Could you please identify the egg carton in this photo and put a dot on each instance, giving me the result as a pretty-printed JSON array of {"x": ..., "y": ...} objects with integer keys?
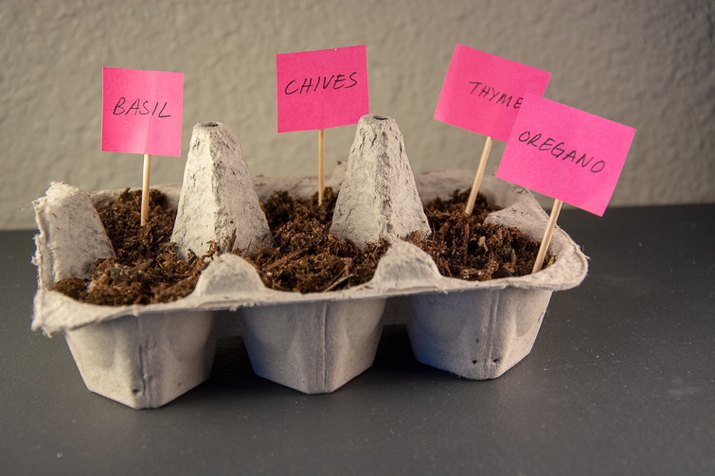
[{"x": 145, "y": 356}]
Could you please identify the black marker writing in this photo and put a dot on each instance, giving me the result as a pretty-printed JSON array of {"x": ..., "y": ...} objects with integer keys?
[
  {"x": 558, "y": 151},
  {"x": 140, "y": 108},
  {"x": 492, "y": 94},
  {"x": 314, "y": 84}
]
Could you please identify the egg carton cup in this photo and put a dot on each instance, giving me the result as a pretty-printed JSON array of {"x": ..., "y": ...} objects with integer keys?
[{"x": 145, "y": 356}]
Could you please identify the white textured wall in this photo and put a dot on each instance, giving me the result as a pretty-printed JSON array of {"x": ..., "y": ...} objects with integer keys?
[{"x": 648, "y": 64}]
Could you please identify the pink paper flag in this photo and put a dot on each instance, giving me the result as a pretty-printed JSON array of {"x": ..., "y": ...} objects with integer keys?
[
  {"x": 141, "y": 111},
  {"x": 321, "y": 89},
  {"x": 483, "y": 93},
  {"x": 566, "y": 153}
]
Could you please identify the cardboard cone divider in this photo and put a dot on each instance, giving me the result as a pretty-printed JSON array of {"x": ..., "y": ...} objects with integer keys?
[
  {"x": 145, "y": 356},
  {"x": 217, "y": 199},
  {"x": 378, "y": 198}
]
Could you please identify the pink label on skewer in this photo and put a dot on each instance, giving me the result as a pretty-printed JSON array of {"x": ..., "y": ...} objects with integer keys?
[
  {"x": 321, "y": 89},
  {"x": 141, "y": 111},
  {"x": 483, "y": 93},
  {"x": 566, "y": 153}
]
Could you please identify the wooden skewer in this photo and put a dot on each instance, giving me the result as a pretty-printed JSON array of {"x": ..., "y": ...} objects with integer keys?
[
  {"x": 145, "y": 189},
  {"x": 548, "y": 234},
  {"x": 479, "y": 176},
  {"x": 321, "y": 165}
]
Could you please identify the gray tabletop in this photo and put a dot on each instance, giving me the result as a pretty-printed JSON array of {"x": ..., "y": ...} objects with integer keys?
[{"x": 621, "y": 381}]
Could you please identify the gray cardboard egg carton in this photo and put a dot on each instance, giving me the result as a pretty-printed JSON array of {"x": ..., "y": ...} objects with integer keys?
[{"x": 144, "y": 356}]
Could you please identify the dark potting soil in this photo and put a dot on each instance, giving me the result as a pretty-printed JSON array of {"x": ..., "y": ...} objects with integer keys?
[
  {"x": 147, "y": 268},
  {"x": 304, "y": 257},
  {"x": 467, "y": 248}
]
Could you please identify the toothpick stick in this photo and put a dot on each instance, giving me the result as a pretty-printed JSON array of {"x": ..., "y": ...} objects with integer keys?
[
  {"x": 548, "y": 234},
  {"x": 321, "y": 165},
  {"x": 145, "y": 189},
  {"x": 478, "y": 178}
]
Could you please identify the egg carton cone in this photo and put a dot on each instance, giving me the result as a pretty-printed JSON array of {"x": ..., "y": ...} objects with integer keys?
[
  {"x": 378, "y": 198},
  {"x": 144, "y": 356},
  {"x": 217, "y": 200}
]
